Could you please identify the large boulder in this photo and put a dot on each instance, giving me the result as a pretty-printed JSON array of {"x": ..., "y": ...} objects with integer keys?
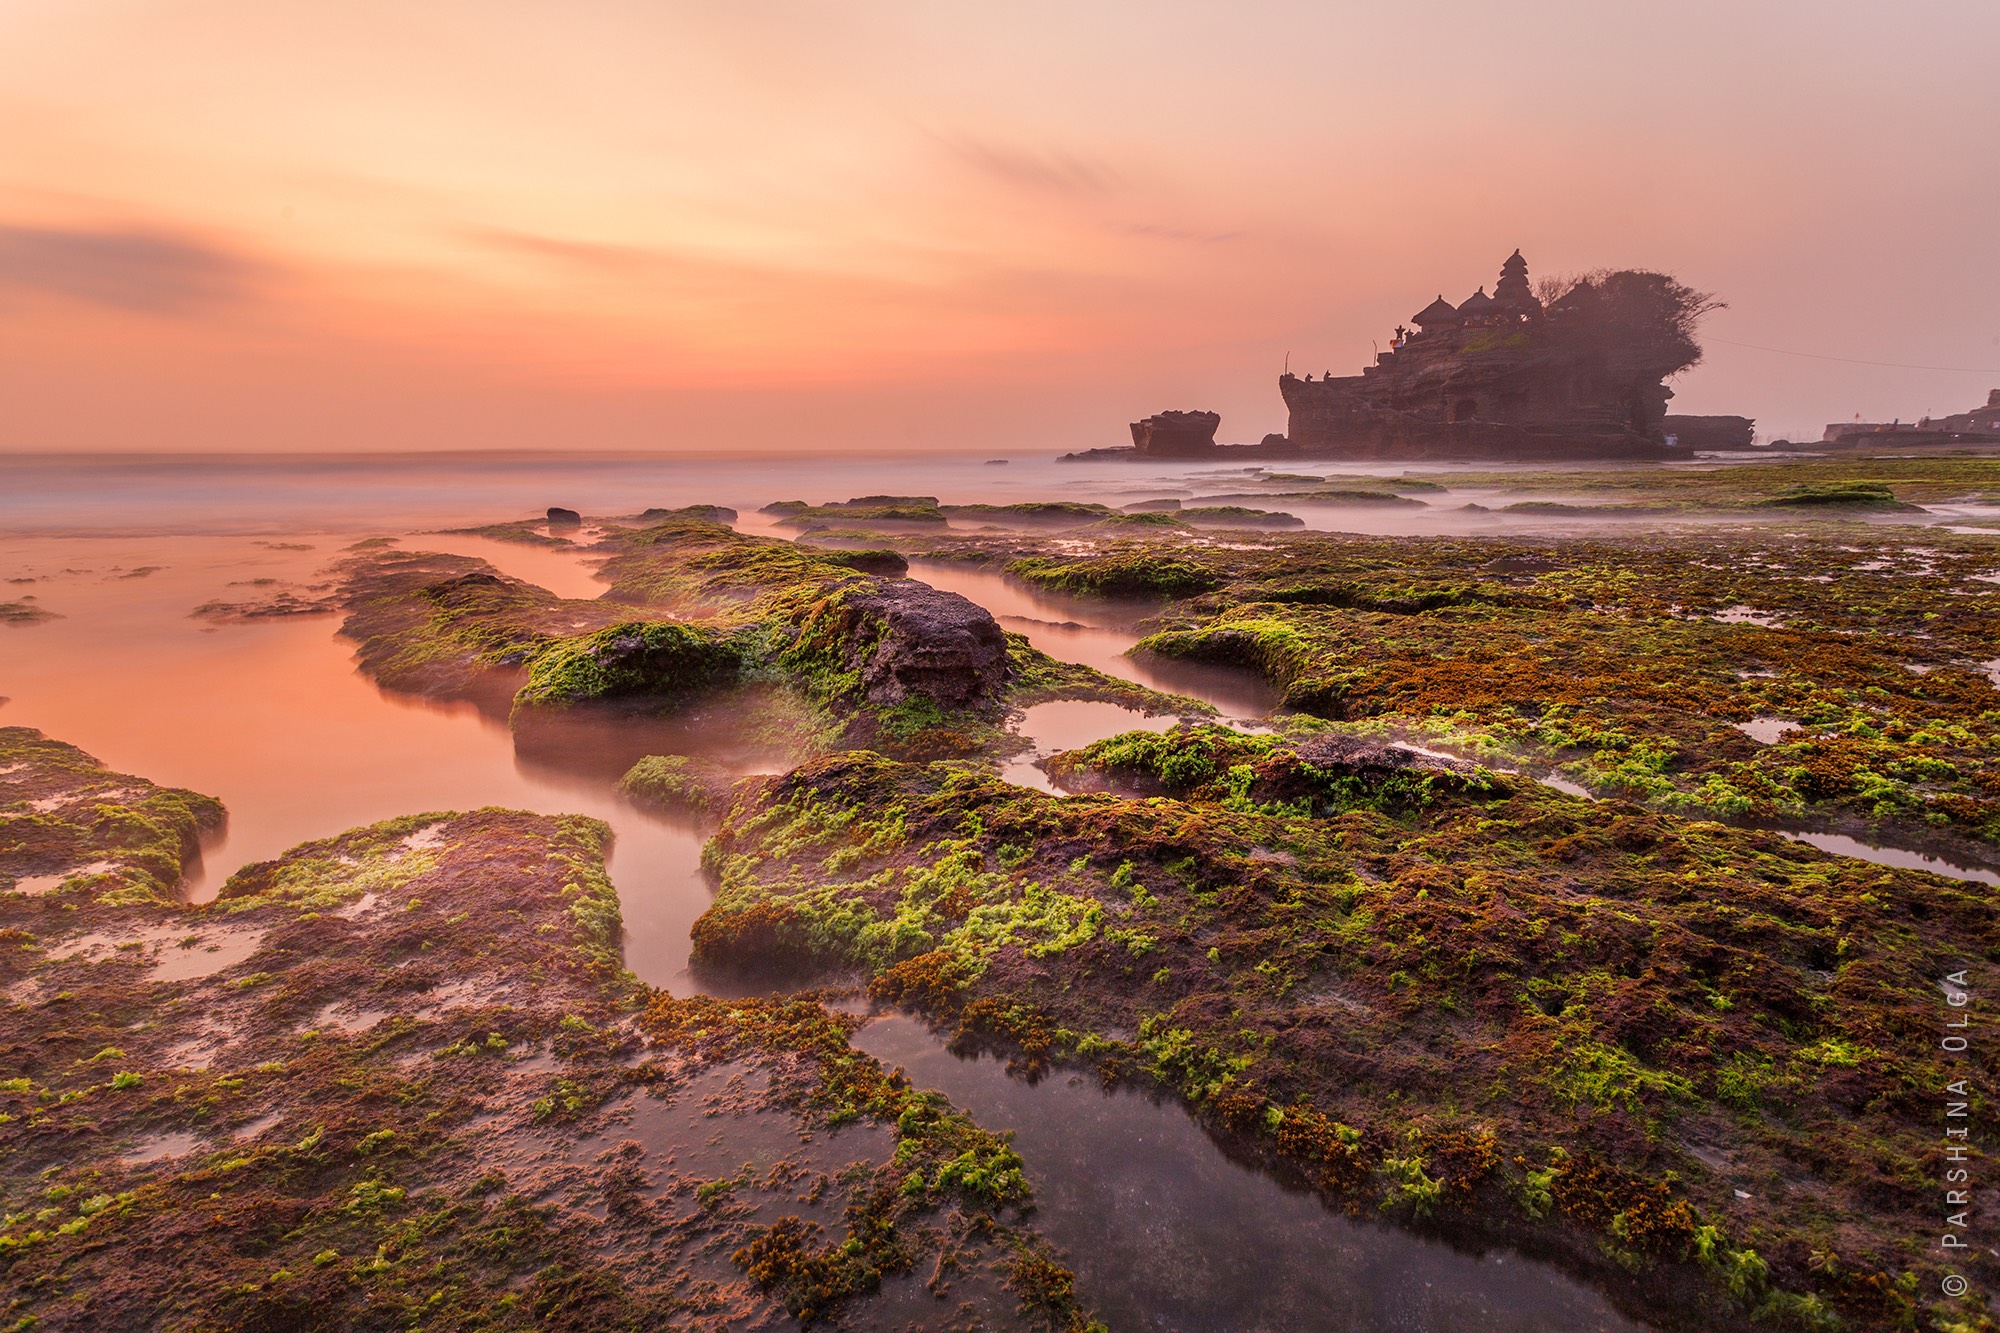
[{"x": 907, "y": 640}]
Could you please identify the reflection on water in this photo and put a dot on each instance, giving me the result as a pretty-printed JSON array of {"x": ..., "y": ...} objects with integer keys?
[
  {"x": 1070, "y": 725},
  {"x": 560, "y": 571},
  {"x": 272, "y": 718},
  {"x": 1842, "y": 845},
  {"x": 1766, "y": 730},
  {"x": 1098, "y": 634},
  {"x": 1167, "y": 1233}
]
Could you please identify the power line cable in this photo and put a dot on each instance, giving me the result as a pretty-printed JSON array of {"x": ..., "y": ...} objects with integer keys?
[{"x": 1855, "y": 361}]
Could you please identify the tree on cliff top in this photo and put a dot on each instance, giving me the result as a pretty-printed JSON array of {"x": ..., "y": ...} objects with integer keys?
[{"x": 1652, "y": 317}]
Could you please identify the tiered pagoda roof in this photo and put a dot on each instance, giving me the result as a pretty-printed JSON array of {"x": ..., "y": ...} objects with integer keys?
[{"x": 1436, "y": 313}]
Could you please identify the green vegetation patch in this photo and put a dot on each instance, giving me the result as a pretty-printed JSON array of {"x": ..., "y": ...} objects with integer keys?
[
  {"x": 1748, "y": 674},
  {"x": 1238, "y": 516},
  {"x": 803, "y": 636},
  {"x": 1039, "y": 513},
  {"x": 1845, "y": 495}
]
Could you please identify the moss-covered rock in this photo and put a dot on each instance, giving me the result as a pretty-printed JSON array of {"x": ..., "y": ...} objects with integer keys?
[
  {"x": 1031, "y": 514},
  {"x": 678, "y": 782},
  {"x": 903, "y": 642},
  {"x": 1841, "y": 495},
  {"x": 1317, "y": 773},
  {"x": 72, "y": 830},
  {"x": 1237, "y": 516},
  {"x": 869, "y": 560},
  {"x": 441, "y": 624},
  {"x": 774, "y": 629},
  {"x": 659, "y": 659}
]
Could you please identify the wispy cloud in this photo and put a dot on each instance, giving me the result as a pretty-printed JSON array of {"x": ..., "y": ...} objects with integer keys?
[
  {"x": 1163, "y": 233},
  {"x": 139, "y": 269},
  {"x": 586, "y": 254},
  {"x": 1055, "y": 170}
]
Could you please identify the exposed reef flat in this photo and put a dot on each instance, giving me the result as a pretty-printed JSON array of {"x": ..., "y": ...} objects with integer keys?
[
  {"x": 1635, "y": 666},
  {"x": 1638, "y": 666},
  {"x": 1857, "y": 484},
  {"x": 398, "y": 1078},
  {"x": 1694, "y": 1062}
]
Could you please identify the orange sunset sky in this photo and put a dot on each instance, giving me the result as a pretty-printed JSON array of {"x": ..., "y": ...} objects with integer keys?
[{"x": 608, "y": 224}]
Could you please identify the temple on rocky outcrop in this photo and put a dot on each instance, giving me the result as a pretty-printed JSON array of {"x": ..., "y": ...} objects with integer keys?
[{"x": 1506, "y": 376}]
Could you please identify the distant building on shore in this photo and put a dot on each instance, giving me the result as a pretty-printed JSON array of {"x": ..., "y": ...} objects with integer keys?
[{"x": 1979, "y": 426}]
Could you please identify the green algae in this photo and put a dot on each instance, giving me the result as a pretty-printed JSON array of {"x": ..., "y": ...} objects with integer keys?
[
  {"x": 1041, "y": 513},
  {"x": 865, "y": 515},
  {"x": 660, "y": 659},
  {"x": 799, "y": 638},
  {"x": 1237, "y": 516},
  {"x": 435, "y": 624},
  {"x": 1131, "y": 572},
  {"x": 869, "y": 560},
  {"x": 677, "y": 782},
  {"x": 1745, "y": 486},
  {"x": 1440, "y": 994},
  {"x": 1140, "y": 522},
  {"x": 1627, "y": 665},
  {"x": 1845, "y": 495}
]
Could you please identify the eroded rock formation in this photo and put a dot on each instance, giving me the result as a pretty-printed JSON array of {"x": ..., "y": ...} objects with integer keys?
[
  {"x": 1176, "y": 434},
  {"x": 1712, "y": 432}
]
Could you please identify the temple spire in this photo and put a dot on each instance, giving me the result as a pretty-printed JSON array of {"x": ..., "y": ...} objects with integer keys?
[{"x": 1512, "y": 292}]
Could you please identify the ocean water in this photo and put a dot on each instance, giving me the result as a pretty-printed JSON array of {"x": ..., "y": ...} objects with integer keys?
[{"x": 266, "y": 494}]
